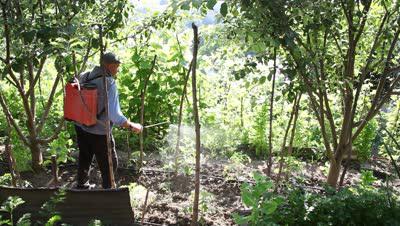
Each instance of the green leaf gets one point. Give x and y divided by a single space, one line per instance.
262 80
24 220
185 6
53 220
248 199
196 3
224 9
211 4
240 220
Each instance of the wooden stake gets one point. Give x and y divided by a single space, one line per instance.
54 170
108 129
197 128
145 206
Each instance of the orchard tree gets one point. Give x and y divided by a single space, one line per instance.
344 53
42 32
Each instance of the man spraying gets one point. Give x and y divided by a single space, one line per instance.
92 140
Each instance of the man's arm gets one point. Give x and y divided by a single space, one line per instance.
115 113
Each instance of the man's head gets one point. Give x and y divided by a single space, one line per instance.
111 63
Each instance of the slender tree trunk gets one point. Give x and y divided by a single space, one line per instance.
142 99
241 113
293 133
271 109
197 128
292 113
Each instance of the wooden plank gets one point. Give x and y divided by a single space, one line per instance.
111 206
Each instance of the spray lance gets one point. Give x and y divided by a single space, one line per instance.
154 125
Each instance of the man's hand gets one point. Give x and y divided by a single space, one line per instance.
135 127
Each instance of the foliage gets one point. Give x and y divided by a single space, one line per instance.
364 141
61 147
48 209
362 205
261 200
21 154
367 178
43 35
5 179
8 207
259 140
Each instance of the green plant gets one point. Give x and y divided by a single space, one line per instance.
8 207
61 147
48 209
367 178
261 200
5 180
364 141
259 139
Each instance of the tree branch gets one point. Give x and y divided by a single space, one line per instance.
56 132
48 106
38 74
7 113
363 21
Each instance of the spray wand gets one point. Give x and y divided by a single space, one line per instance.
153 125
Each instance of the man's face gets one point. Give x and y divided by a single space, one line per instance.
113 68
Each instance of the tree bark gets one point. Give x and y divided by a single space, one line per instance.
37 157
197 128
334 172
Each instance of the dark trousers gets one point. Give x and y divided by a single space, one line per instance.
94 145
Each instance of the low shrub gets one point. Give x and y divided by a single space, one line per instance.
363 205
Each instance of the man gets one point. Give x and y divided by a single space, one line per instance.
93 140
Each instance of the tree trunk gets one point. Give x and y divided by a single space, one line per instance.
334 172
37 157
195 216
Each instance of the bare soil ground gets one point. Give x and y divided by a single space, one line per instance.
170 195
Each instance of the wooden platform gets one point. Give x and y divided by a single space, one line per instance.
111 206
